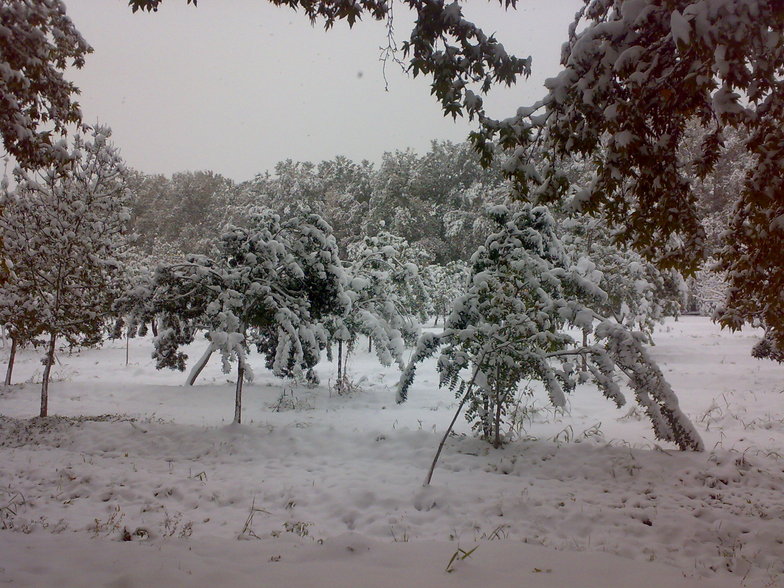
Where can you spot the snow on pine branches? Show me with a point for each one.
(511, 327)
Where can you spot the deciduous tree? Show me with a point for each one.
(37, 43)
(63, 230)
(273, 284)
(511, 327)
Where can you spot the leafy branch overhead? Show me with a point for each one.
(37, 43)
(455, 52)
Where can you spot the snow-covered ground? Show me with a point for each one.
(319, 490)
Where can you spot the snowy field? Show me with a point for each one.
(140, 481)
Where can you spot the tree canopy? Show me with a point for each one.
(37, 43)
(512, 325)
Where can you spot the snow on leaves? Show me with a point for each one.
(62, 230)
(272, 284)
(37, 43)
(388, 295)
(510, 327)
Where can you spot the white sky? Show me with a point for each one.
(237, 86)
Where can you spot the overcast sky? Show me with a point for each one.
(236, 86)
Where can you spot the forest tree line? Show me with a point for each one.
(308, 258)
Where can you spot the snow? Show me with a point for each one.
(681, 30)
(324, 490)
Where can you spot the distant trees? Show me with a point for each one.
(184, 213)
(434, 201)
(445, 284)
(62, 228)
(17, 314)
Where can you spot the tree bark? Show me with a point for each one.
(47, 372)
(454, 419)
(199, 365)
(444, 438)
(238, 392)
(11, 358)
(497, 420)
(487, 418)
(585, 356)
(340, 361)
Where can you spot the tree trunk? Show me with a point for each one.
(47, 372)
(467, 393)
(127, 346)
(585, 356)
(199, 365)
(370, 345)
(11, 358)
(497, 421)
(340, 361)
(238, 392)
(487, 418)
(154, 327)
